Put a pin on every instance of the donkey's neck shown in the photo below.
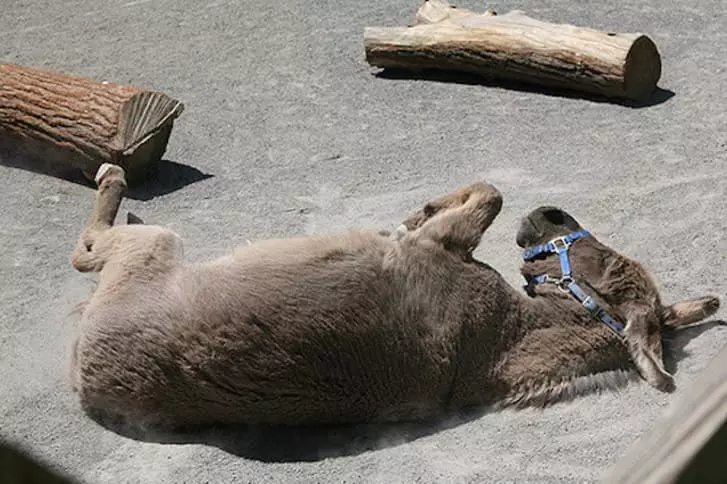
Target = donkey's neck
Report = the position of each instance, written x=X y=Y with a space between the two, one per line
x=548 y=348
x=558 y=352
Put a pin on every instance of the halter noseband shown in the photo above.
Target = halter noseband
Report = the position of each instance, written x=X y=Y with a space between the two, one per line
x=566 y=283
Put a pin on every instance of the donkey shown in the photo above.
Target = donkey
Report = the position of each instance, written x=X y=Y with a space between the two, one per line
x=353 y=327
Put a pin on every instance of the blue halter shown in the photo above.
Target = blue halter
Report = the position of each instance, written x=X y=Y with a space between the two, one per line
x=560 y=246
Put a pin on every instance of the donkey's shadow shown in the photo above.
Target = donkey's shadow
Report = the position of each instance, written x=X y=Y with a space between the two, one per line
x=290 y=443
x=312 y=443
x=676 y=341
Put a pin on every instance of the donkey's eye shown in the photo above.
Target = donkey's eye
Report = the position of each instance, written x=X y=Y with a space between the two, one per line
x=429 y=209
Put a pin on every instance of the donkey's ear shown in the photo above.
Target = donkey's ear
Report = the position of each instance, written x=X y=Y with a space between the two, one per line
x=420 y=217
x=643 y=338
x=132 y=219
x=688 y=312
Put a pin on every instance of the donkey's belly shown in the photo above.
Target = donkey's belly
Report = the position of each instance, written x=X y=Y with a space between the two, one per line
x=326 y=340
x=262 y=406
x=322 y=375
x=303 y=366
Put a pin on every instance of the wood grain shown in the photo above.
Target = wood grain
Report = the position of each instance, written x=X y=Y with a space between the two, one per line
x=87 y=121
x=519 y=48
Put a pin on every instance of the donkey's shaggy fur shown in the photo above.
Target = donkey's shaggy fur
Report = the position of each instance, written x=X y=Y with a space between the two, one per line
x=355 y=327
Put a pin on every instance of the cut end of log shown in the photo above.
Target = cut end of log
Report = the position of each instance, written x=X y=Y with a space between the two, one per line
x=145 y=124
x=642 y=69
x=143 y=115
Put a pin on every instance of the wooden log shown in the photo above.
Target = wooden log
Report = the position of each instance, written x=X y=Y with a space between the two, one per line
x=85 y=122
x=518 y=48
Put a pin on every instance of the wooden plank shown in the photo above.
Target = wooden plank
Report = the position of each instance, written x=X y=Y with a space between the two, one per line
x=689 y=441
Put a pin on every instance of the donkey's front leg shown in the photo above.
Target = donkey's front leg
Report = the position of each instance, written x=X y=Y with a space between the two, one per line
x=458 y=220
x=111 y=187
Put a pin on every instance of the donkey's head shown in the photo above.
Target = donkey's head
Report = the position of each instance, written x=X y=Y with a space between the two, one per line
x=435 y=206
x=545 y=224
x=561 y=257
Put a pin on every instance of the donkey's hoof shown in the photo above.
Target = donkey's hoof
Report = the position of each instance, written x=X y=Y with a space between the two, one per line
x=400 y=232
x=107 y=169
x=712 y=304
x=132 y=219
x=664 y=382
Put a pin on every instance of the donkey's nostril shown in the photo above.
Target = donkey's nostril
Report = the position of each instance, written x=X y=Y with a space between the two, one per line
x=713 y=303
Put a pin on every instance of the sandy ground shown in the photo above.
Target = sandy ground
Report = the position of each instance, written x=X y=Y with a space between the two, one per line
x=288 y=131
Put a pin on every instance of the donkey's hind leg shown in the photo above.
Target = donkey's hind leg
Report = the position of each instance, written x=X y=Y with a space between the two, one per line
x=111 y=187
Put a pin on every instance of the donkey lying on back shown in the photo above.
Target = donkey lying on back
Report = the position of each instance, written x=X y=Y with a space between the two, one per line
x=355 y=327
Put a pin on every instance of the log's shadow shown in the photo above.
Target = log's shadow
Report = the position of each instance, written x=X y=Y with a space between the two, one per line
x=659 y=96
x=166 y=177
x=162 y=178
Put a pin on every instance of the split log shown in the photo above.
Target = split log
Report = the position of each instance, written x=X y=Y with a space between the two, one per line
x=518 y=48
x=84 y=122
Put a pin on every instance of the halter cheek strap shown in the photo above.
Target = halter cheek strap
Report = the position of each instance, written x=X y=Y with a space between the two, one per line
x=565 y=282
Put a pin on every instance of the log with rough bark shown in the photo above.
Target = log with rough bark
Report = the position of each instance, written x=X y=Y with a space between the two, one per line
x=85 y=122
x=518 y=48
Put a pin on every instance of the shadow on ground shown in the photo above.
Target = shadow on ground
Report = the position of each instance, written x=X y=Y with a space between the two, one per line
x=167 y=177
x=312 y=443
x=19 y=466
x=658 y=97
x=163 y=178
x=675 y=342
x=289 y=443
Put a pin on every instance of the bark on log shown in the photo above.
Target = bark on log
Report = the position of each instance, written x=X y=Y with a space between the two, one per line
x=518 y=48
x=85 y=122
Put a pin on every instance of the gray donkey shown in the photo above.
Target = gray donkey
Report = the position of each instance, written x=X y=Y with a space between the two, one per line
x=359 y=326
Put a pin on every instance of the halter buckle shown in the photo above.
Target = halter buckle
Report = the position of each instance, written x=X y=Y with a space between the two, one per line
x=562 y=283
x=560 y=248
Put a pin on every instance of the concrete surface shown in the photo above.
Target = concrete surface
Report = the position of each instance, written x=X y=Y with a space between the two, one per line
x=300 y=136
